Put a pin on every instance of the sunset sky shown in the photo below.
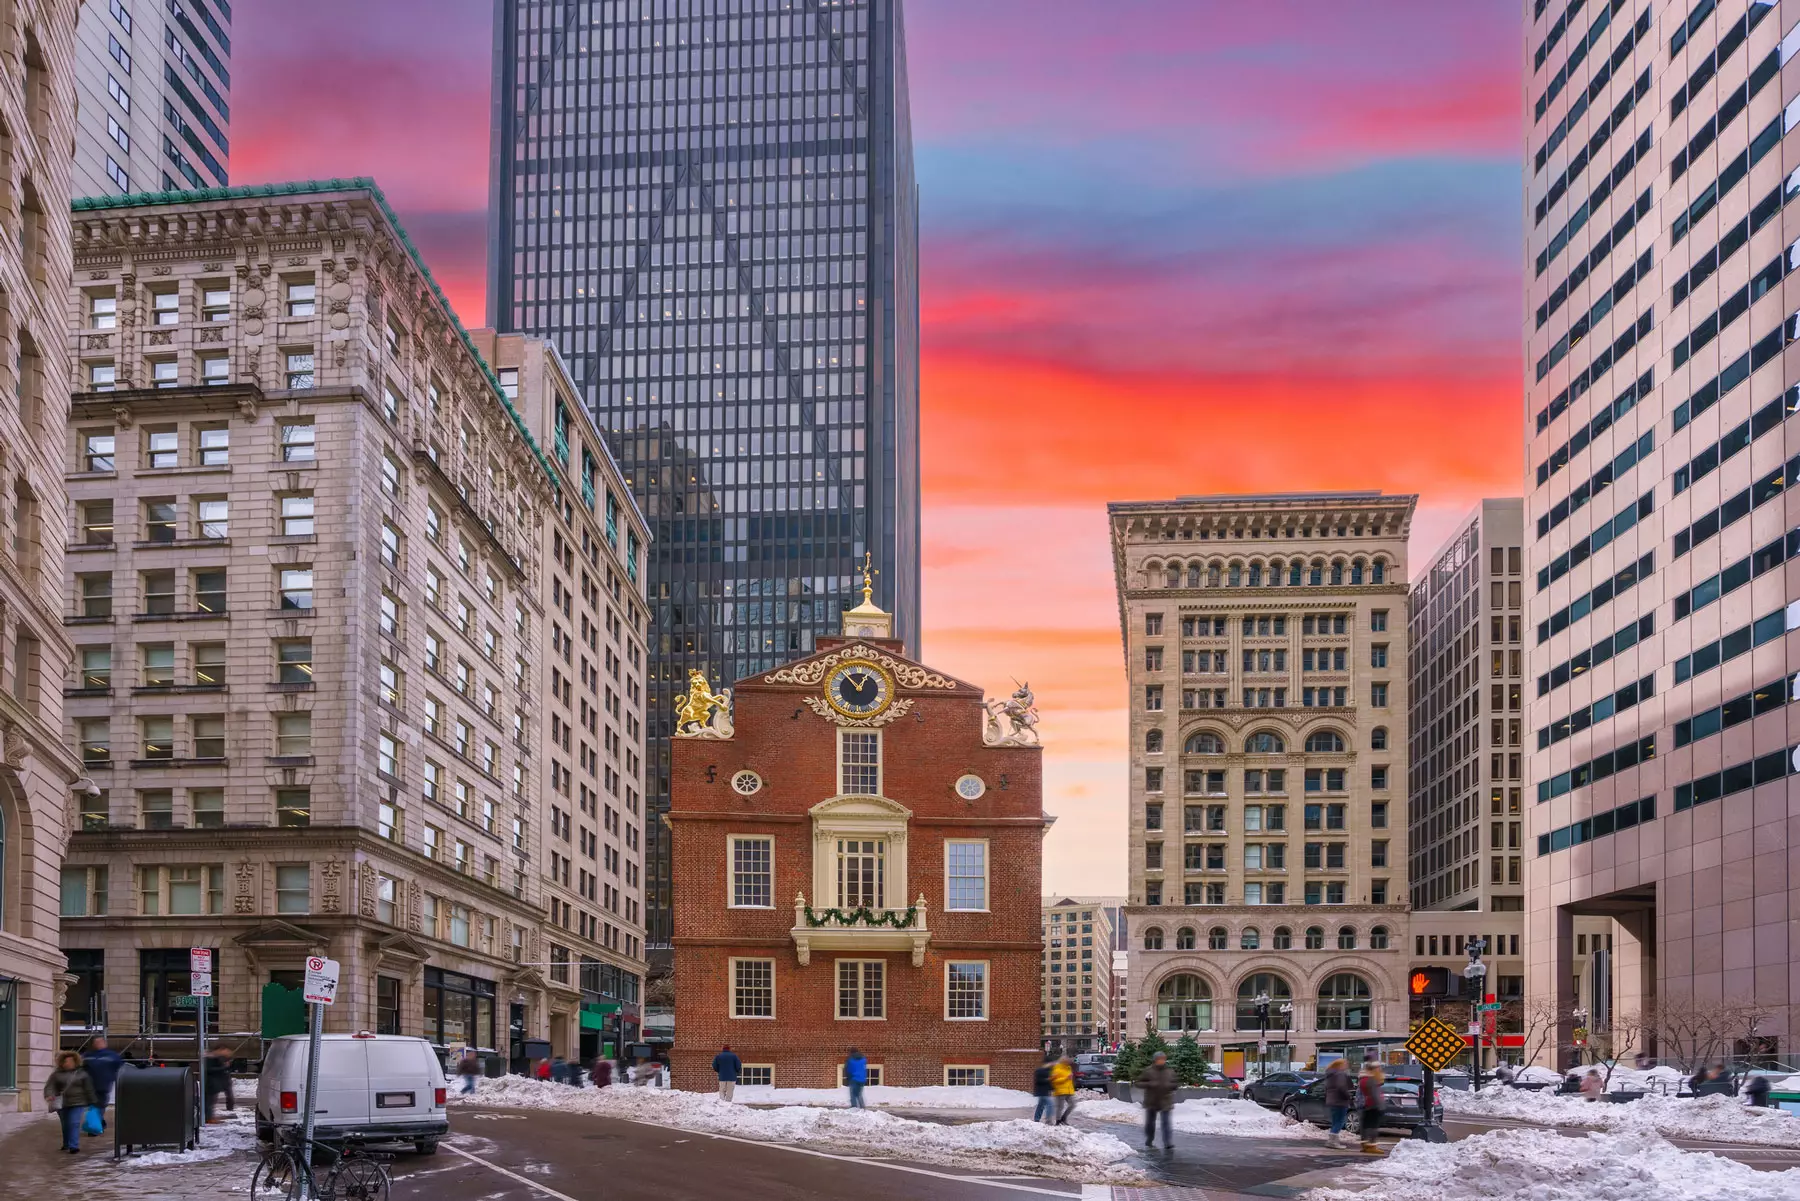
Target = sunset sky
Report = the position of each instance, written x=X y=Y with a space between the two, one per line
x=1170 y=247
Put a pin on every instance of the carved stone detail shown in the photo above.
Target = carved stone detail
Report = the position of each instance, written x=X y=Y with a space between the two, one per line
x=366 y=892
x=910 y=675
x=331 y=873
x=900 y=708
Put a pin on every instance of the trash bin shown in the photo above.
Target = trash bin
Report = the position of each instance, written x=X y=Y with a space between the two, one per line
x=154 y=1107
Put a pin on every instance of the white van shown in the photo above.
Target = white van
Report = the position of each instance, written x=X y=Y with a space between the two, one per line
x=383 y=1087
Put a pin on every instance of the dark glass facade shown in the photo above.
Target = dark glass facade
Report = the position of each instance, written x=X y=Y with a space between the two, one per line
x=708 y=205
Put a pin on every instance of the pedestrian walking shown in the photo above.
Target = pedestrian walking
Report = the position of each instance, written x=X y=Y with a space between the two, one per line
x=1040 y=1088
x=603 y=1073
x=1592 y=1085
x=1062 y=1088
x=468 y=1067
x=856 y=1075
x=1505 y=1074
x=1756 y=1092
x=218 y=1083
x=1158 y=1082
x=1374 y=1104
x=103 y=1065
x=542 y=1071
x=69 y=1092
x=1340 y=1093
x=727 y=1067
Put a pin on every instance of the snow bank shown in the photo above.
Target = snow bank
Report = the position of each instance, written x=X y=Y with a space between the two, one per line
x=1541 y=1165
x=1207 y=1115
x=237 y=1133
x=890 y=1097
x=1007 y=1146
x=1712 y=1119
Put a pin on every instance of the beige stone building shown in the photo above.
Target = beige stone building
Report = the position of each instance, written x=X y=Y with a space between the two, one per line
x=37 y=113
x=1077 y=973
x=309 y=583
x=590 y=667
x=1268 y=844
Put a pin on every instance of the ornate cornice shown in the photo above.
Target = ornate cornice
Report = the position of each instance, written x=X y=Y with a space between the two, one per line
x=907 y=675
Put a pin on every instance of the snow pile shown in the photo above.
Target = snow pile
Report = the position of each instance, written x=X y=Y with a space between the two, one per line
x=1007 y=1146
x=1534 y=1074
x=890 y=1097
x=1541 y=1165
x=1708 y=1119
x=237 y=1133
x=1207 y=1115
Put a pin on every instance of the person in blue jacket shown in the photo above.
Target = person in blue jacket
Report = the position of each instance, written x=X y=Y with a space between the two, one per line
x=856 y=1075
x=102 y=1064
x=726 y=1066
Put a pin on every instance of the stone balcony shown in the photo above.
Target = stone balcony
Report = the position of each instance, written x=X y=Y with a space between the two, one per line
x=861 y=929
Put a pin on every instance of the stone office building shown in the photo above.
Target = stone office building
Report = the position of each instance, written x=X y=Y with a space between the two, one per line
x=307 y=578
x=1266 y=649
x=858 y=852
x=37 y=120
x=1077 y=1001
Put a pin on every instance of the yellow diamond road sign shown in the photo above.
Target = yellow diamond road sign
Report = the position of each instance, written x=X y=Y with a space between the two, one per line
x=1436 y=1044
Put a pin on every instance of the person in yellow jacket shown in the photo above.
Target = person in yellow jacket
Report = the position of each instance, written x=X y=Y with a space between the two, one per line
x=1062 y=1088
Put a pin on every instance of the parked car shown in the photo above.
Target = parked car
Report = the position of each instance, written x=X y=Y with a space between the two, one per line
x=1403 y=1110
x=1217 y=1079
x=1094 y=1069
x=1271 y=1090
x=381 y=1087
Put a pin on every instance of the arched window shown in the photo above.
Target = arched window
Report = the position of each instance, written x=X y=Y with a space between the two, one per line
x=1264 y=742
x=1379 y=572
x=1212 y=576
x=1318 y=573
x=1217 y=939
x=1356 y=572
x=1193 y=575
x=1153 y=938
x=1205 y=743
x=1378 y=738
x=1325 y=742
x=1153 y=742
x=1346 y=938
x=1284 y=939
x=1237 y=574
x=1184 y=1002
x=1249 y=939
x=1344 y=1003
x=1184 y=939
x=1378 y=939
x=1262 y=983
x=1256 y=575
x=1294 y=570
x=1315 y=938
x=1337 y=573
x=1275 y=574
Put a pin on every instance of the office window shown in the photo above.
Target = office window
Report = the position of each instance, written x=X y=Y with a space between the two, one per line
x=293 y=734
x=156 y=809
x=752 y=873
x=861 y=991
x=165 y=306
x=94 y=736
x=208 y=734
x=103 y=377
x=215 y=369
x=156 y=665
x=296 y=514
x=96 y=594
x=302 y=298
x=164 y=373
x=103 y=310
x=296 y=587
x=96 y=667
x=300 y=370
x=215 y=302
x=294 y=661
x=213 y=517
x=293 y=888
x=965 y=875
x=965 y=990
x=293 y=806
x=752 y=988
x=209 y=590
x=157 y=737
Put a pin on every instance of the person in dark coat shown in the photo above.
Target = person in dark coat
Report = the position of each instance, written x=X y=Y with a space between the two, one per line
x=1340 y=1094
x=1040 y=1088
x=218 y=1082
x=727 y=1067
x=1158 y=1082
x=468 y=1067
x=69 y=1091
x=103 y=1065
x=1756 y=1091
x=1373 y=1102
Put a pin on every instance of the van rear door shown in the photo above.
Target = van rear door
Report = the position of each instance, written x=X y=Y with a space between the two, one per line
x=401 y=1084
x=343 y=1082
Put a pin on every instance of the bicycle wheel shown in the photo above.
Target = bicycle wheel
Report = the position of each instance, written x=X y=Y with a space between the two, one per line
x=356 y=1179
x=277 y=1177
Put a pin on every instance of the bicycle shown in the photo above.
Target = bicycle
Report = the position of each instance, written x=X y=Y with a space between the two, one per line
x=286 y=1172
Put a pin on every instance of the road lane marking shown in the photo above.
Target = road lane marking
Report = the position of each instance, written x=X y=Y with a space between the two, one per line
x=494 y=1167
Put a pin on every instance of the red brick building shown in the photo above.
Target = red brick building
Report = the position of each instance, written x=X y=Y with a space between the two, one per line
x=857 y=858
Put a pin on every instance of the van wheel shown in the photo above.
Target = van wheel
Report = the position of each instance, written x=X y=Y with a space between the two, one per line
x=426 y=1146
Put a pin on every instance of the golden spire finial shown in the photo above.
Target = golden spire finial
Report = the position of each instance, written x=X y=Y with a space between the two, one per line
x=869 y=574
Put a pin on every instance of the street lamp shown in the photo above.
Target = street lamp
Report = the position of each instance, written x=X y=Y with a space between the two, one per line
x=1580 y=1016
x=1476 y=974
x=1287 y=1028
x=1262 y=1044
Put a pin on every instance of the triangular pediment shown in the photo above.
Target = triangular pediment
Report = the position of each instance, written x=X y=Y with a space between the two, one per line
x=401 y=947
x=908 y=675
x=280 y=935
x=528 y=977
x=861 y=806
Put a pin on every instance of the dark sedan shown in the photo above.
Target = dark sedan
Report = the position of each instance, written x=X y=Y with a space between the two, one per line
x=1403 y=1111
x=1270 y=1091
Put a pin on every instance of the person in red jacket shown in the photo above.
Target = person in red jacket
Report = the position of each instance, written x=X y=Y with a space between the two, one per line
x=543 y=1069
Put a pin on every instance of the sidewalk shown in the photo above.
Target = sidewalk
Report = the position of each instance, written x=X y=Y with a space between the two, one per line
x=35 y=1166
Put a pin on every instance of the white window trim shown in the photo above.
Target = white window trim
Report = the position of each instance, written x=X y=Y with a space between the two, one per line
x=965 y=1067
x=731 y=841
x=859 y=817
x=880 y=749
x=836 y=967
x=987 y=873
x=731 y=983
x=767 y=1067
x=987 y=984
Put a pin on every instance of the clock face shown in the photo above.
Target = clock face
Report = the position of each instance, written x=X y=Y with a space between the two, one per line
x=858 y=690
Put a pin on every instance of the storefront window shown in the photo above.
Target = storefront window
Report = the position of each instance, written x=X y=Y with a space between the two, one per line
x=459 y=1010
x=84 y=1005
x=168 y=1005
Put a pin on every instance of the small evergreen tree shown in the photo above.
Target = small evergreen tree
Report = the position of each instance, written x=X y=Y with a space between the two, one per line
x=1188 y=1060
x=1127 y=1063
x=1147 y=1048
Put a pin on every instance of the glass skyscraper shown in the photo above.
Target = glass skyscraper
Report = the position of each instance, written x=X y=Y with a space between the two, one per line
x=708 y=205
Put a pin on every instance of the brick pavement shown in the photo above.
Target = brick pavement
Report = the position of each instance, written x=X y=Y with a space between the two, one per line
x=32 y=1164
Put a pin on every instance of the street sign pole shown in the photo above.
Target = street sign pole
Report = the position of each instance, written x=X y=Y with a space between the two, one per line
x=312 y=1089
x=200 y=967
x=200 y=1063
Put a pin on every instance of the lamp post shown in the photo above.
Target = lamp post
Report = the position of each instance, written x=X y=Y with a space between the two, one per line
x=1580 y=1016
x=1287 y=1029
x=1262 y=1042
x=1476 y=974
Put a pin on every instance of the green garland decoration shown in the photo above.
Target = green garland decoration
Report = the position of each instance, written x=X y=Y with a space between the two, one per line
x=862 y=915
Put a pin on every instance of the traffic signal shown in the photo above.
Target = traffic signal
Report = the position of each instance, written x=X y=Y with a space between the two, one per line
x=1433 y=982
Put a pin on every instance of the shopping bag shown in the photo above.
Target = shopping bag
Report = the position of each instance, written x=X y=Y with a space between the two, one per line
x=91 y=1122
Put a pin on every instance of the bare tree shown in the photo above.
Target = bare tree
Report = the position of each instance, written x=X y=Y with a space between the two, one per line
x=1628 y=1033
x=1538 y=1019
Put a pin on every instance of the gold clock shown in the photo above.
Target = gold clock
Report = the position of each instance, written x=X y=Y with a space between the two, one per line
x=860 y=690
